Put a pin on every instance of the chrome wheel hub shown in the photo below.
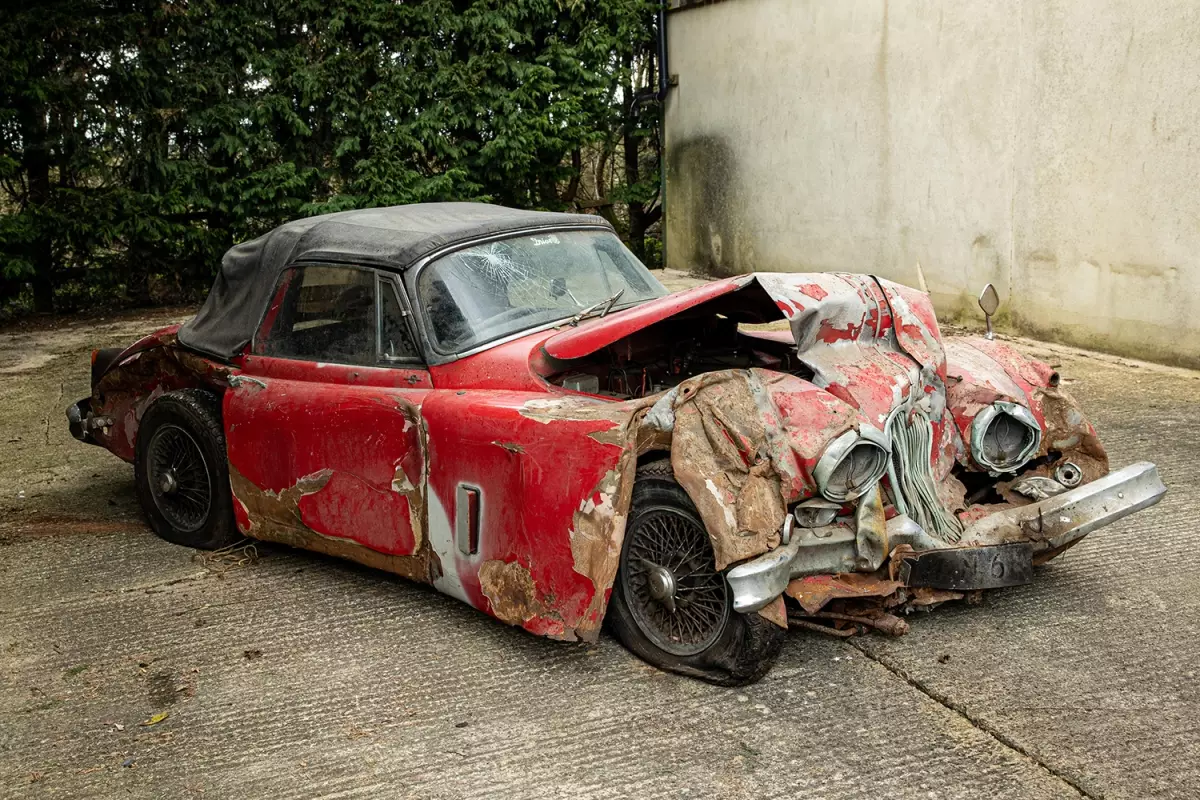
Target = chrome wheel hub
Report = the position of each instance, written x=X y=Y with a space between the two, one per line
x=660 y=583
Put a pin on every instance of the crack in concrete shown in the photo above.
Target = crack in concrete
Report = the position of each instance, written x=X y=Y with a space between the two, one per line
x=973 y=721
x=157 y=585
x=62 y=388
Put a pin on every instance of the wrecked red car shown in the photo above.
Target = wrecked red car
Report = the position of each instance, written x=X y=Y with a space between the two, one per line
x=509 y=406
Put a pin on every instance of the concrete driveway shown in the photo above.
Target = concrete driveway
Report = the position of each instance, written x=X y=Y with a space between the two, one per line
x=274 y=673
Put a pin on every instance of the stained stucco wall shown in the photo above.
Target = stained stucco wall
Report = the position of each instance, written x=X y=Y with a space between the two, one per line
x=1049 y=146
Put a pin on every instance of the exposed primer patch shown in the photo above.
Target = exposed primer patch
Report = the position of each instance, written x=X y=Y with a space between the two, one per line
x=722 y=503
x=275 y=517
x=554 y=409
x=510 y=590
x=597 y=532
x=402 y=485
x=661 y=416
x=238 y=381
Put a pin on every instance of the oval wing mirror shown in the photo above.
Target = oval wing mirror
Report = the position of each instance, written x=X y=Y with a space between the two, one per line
x=989 y=300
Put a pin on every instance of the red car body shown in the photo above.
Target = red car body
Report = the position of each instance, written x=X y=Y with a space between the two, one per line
x=489 y=478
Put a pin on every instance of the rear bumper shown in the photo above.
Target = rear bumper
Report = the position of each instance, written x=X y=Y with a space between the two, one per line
x=996 y=551
x=82 y=423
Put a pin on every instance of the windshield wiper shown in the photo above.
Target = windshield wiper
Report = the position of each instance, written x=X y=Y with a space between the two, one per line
x=606 y=305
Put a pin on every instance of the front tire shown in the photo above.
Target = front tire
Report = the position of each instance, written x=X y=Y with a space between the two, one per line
x=181 y=471
x=669 y=605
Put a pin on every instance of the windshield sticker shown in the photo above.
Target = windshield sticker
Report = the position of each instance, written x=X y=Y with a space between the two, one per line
x=538 y=241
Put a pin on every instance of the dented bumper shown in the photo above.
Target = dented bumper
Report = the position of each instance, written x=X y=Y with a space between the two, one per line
x=998 y=550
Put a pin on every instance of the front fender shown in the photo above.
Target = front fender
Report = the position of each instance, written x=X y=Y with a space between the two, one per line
x=554 y=477
x=983 y=371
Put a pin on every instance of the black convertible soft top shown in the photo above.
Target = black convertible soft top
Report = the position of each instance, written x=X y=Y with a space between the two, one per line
x=395 y=237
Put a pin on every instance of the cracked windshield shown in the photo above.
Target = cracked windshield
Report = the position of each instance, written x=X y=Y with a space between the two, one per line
x=489 y=291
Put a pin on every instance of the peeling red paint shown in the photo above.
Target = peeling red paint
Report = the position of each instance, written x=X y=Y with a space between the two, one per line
x=813 y=290
x=829 y=334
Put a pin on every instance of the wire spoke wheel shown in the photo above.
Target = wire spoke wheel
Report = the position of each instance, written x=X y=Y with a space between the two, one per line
x=677 y=598
x=179 y=479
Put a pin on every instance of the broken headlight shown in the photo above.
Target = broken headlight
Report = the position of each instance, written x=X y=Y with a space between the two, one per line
x=852 y=464
x=816 y=513
x=1004 y=436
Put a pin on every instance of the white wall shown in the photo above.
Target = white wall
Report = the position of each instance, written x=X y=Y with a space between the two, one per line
x=1049 y=146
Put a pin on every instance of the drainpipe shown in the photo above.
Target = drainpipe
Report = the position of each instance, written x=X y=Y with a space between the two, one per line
x=664 y=85
x=664 y=72
x=659 y=95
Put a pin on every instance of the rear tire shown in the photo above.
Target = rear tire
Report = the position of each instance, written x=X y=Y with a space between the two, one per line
x=679 y=616
x=181 y=471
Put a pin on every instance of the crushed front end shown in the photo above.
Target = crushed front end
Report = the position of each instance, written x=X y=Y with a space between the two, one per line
x=969 y=466
x=856 y=462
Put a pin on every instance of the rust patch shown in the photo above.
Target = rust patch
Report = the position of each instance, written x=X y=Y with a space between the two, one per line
x=815 y=592
x=510 y=590
x=275 y=517
x=776 y=612
x=721 y=456
x=615 y=436
x=1069 y=432
x=127 y=390
x=926 y=597
x=403 y=486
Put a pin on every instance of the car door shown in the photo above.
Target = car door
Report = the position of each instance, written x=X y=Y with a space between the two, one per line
x=322 y=420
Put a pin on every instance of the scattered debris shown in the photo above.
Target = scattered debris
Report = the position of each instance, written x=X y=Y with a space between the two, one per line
x=241 y=554
x=157 y=718
x=353 y=731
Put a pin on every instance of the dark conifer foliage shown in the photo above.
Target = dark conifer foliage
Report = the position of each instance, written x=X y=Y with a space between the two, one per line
x=141 y=138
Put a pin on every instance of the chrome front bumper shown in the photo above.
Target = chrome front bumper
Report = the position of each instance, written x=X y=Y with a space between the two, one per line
x=998 y=550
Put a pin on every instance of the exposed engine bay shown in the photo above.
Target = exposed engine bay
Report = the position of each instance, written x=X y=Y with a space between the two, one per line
x=662 y=356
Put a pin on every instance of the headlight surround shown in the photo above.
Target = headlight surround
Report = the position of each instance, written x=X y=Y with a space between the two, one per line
x=1004 y=436
x=852 y=464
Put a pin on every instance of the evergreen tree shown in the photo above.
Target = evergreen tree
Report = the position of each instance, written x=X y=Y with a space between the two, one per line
x=141 y=138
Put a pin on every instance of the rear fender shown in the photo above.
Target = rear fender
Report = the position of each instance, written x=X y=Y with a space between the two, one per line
x=142 y=373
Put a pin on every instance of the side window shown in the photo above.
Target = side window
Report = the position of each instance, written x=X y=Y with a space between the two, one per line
x=322 y=314
x=395 y=338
